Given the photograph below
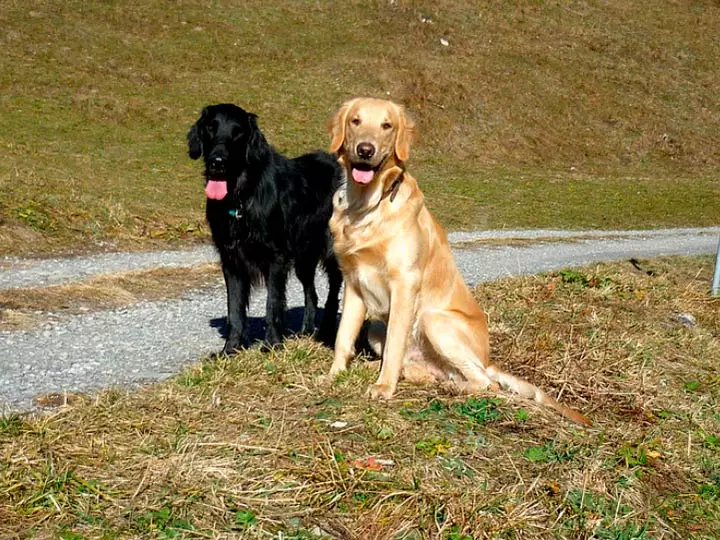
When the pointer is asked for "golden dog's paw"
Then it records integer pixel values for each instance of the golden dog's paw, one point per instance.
(335, 371)
(460, 388)
(380, 391)
(451, 388)
(324, 380)
(329, 378)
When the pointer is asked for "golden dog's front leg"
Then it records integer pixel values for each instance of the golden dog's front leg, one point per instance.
(351, 321)
(402, 315)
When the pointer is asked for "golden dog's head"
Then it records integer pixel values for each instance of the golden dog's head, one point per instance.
(371, 135)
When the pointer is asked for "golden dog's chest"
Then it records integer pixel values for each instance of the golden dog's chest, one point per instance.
(374, 290)
(359, 265)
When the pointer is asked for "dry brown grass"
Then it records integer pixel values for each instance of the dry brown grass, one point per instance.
(247, 446)
(24, 308)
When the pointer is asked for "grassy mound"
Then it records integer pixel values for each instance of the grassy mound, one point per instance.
(255, 445)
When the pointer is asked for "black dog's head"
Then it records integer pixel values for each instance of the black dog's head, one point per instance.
(229, 139)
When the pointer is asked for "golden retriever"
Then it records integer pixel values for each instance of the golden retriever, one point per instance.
(399, 270)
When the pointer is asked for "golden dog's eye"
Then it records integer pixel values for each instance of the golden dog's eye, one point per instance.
(355, 121)
(386, 125)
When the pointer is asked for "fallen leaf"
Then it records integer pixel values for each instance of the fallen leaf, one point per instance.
(553, 487)
(369, 464)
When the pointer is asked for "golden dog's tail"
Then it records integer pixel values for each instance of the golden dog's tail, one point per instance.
(528, 390)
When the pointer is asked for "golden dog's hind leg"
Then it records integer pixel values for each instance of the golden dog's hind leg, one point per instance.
(351, 321)
(422, 366)
(463, 345)
(416, 368)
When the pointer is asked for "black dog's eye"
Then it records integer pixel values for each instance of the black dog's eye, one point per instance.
(355, 121)
(210, 128)
(386, 125)
(236, 133)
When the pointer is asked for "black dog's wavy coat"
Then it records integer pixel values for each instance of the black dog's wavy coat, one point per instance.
(275, 214)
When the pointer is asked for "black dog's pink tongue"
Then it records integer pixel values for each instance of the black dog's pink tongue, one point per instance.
(216, 189)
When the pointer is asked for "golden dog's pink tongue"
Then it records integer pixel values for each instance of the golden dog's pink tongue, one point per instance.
(216, 189)
(362, 177)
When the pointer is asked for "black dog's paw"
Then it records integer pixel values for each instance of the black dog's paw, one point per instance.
(268, 347)
(232, 347)
(326, 335)
(212, 357)
(307, 329)
(273, 338)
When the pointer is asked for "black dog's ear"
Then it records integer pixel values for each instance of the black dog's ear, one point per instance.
(194, 140)
(257, 146)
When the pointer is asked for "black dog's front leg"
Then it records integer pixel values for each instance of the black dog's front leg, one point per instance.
(305, 272)
(238, 295)
(275, 307)
(328, 328)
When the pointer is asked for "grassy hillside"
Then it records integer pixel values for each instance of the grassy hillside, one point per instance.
(590, 115)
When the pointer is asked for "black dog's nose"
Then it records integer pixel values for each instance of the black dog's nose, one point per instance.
(365, 150)
(216, 163)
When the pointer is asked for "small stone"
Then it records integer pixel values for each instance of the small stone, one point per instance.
(687, 320)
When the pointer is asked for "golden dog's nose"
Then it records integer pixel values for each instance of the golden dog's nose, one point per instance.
(365, 150)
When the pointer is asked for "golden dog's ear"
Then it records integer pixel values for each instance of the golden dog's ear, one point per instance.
(336, 126)
(405, 135)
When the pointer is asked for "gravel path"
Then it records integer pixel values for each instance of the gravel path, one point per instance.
(154, 340)
(15, 273)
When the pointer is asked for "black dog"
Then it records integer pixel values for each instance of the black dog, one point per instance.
(266, 212)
